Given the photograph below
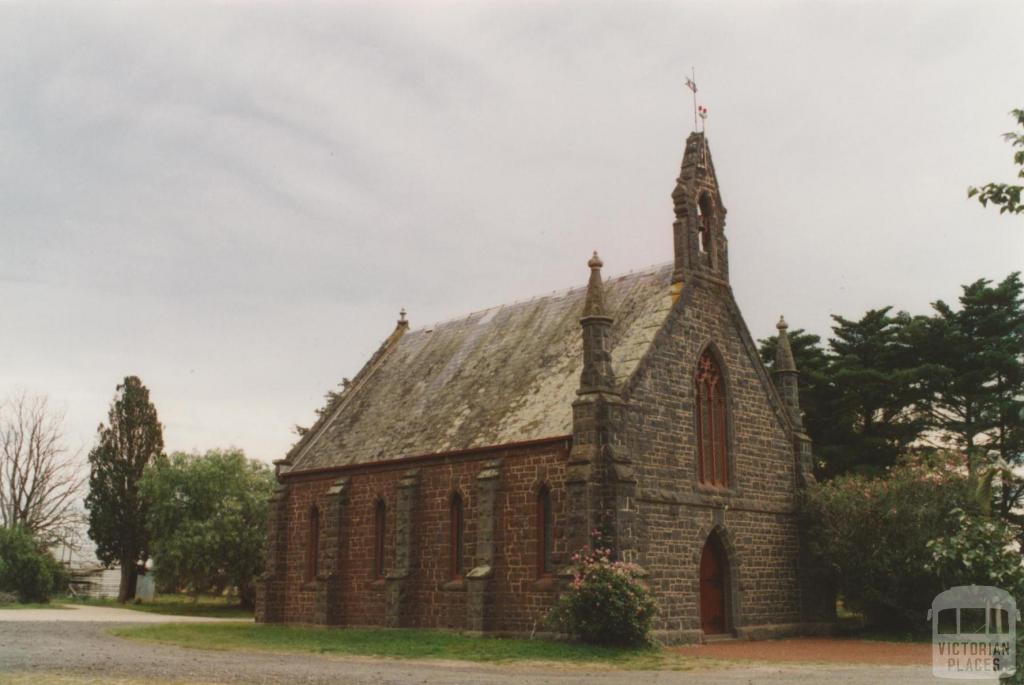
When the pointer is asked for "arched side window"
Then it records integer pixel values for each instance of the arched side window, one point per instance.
(705, 221)
(313, 544)
(545, 532)
(455, 537)
(380, 514)
(712, 435)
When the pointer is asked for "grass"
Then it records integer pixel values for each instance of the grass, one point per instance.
(31, 605)
(171, 605)
(177, 605)
(406, 643)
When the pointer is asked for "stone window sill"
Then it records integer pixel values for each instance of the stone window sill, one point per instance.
(378, 584)
(545, 584)
(711, 490)
(455, 585)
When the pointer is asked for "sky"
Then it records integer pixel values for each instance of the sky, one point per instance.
(234, 200)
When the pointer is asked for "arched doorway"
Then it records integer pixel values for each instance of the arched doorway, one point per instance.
(714, 582)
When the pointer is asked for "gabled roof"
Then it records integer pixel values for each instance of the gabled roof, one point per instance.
(502, 375)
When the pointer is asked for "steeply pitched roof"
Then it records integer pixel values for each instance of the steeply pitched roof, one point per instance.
(502, 375)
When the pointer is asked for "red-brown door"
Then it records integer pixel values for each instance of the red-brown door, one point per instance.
(712, 587)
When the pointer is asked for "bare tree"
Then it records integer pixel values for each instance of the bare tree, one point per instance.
(40, 481)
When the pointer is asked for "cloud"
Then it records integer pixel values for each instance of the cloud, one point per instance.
(234, 200)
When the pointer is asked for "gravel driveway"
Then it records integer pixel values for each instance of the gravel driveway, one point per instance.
(84, 648)
(96, 614)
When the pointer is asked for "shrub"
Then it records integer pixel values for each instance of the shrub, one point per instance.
(981, 551)
(867, 538)
(606, 603)
(27, 569)
(208, 521)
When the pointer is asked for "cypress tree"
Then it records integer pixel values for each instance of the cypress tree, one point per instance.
(117, 512)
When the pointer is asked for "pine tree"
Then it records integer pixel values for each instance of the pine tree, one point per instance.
(977, 376)
(862, 397)
(878, 381)
(117, 513)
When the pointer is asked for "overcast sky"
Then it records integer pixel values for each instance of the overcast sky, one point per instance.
(233, 201)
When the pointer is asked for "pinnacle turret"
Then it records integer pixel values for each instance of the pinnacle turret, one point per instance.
(786, 375)
(597, 375)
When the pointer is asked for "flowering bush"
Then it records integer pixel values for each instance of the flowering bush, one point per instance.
(606, 603)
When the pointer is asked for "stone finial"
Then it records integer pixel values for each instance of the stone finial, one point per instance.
(594, 304)
(402, 321)
(783, 350)
(597, 374)
(785, 374)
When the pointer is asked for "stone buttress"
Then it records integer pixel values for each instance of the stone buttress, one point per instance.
(600, 483)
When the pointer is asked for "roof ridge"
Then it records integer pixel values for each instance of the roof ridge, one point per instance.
(560, 292)
(332, 408)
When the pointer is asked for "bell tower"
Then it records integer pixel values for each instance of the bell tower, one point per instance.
(701, 248)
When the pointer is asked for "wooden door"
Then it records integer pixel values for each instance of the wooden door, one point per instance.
(712, 587)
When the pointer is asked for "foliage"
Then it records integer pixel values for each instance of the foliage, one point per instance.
(1004, 195)
(606, 604)
(867, 538)
(40, 481)
(877, 385)
(26, 568)
(861, 396)
(886, 386)
(402, 643)
(976, 374)
(117, 511)
(980, 551)
(207, 517)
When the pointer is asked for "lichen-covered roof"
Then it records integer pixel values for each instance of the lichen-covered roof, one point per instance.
(506, 374)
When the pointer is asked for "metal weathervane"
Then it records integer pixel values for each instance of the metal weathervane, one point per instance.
(699, 111)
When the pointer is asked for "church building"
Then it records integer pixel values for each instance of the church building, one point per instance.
(450, 482)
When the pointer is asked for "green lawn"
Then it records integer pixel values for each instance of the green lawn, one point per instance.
(177, 605)
(404, 643)
(18, 605)
(174, 605)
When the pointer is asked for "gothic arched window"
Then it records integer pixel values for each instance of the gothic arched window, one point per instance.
(455, 539)
(712, 433)
(379, 522)
(313, 544)
(545, 532)
(705, 221)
